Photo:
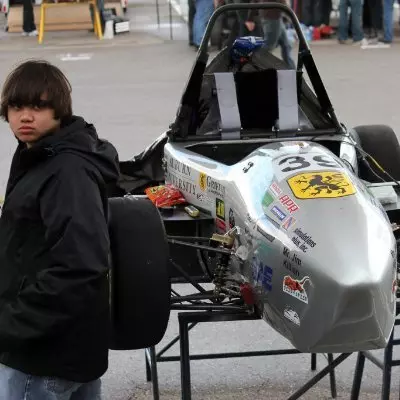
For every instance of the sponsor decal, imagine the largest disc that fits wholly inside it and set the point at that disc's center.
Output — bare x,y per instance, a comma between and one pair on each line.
220,209
273,222
295,288
289,204
291,315
290,221
203,198
211,185
262,274
179,167
302,240
291,262
321,185
275,189
221,226
249,165
267,200
183,185
203,181
267,236
278,212
232,222
215,187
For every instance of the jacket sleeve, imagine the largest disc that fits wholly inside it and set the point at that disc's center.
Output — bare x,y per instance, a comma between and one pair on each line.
67,288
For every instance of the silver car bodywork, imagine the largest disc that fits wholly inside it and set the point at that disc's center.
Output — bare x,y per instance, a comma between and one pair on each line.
315,245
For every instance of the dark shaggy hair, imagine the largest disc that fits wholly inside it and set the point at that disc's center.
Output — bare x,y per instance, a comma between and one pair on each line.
30,81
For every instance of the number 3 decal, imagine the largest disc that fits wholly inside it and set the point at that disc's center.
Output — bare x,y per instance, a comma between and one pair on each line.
297,162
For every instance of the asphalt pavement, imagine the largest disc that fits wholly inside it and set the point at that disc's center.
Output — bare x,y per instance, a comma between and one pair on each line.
130,88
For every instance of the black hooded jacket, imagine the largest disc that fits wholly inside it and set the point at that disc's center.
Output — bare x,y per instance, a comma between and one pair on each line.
54,255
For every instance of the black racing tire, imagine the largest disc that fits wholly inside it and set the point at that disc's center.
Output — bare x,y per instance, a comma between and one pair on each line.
381,142
140,282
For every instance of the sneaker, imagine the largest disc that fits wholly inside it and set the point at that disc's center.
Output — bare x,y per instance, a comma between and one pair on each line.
33,33
363,43
341,41
373,40
25,33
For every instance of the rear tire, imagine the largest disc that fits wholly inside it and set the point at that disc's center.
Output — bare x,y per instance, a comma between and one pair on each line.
140,280
381,142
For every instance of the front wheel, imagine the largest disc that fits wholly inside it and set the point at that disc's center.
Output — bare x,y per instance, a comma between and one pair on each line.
381,142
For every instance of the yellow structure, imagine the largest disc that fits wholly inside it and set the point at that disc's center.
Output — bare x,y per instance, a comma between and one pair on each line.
46,5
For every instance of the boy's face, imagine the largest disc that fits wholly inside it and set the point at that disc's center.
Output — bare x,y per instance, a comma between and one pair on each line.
29,124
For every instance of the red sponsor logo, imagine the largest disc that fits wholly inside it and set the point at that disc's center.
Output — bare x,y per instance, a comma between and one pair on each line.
295,288
275,189
289,204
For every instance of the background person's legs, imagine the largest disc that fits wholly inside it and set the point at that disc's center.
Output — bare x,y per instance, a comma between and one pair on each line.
192,12
204,10
28,24
343,30
306,12
272,31
326,12
356,20
286,48
388,21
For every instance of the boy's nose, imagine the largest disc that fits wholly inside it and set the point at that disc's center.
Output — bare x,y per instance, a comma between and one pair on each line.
26,115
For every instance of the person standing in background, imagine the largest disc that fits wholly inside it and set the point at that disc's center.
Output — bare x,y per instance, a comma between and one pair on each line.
28,18
274,29
387,21
204,10
357,32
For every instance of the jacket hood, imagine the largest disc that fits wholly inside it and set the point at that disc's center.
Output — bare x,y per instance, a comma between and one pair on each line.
78,137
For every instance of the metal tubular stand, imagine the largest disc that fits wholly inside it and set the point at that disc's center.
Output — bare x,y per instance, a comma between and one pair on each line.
385,366
188,320
151,371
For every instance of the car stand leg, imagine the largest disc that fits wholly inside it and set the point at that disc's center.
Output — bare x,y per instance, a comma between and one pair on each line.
387,368
332,377
148,369
185,360
313,361
151,370
355,390
319,376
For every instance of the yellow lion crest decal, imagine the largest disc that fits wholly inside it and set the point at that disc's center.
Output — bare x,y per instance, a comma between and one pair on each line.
316,185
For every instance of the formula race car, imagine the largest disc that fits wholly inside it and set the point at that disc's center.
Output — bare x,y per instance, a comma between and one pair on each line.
293,215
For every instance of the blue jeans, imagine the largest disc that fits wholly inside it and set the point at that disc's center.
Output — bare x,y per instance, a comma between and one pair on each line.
388,20
204,10
15,385
275,35
356,19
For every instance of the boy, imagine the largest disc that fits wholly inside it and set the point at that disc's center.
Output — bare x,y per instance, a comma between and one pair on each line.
54,243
